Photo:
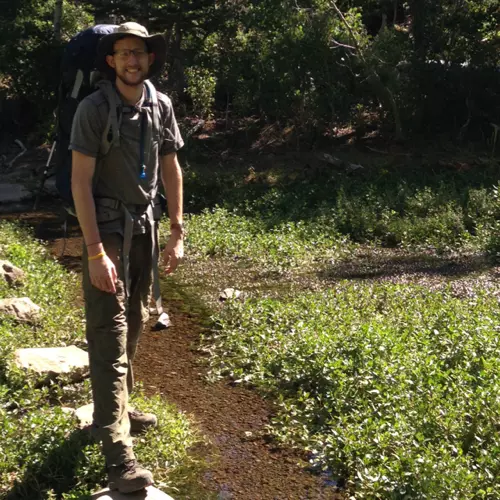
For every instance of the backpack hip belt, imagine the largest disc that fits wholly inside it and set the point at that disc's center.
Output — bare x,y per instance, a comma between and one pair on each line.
128,234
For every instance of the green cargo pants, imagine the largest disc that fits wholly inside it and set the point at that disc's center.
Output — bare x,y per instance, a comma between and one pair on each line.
114,325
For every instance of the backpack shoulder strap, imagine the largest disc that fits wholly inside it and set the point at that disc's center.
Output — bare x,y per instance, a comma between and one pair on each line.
111,133
75,91
152,96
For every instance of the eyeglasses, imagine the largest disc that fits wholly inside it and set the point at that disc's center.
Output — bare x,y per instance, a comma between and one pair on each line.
126,53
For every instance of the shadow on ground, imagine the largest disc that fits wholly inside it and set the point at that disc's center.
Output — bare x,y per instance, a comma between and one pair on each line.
59,470
392,264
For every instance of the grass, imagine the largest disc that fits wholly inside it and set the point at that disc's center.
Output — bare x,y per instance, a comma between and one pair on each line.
43,454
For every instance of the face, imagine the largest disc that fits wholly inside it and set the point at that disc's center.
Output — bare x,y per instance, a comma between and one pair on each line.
131,60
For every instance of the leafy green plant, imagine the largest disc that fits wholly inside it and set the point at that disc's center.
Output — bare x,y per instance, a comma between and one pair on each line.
286,245
201,89
391,388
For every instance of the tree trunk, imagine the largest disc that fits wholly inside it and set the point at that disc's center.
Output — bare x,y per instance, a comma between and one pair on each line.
176,70
418,13
58,12
383,92
144,13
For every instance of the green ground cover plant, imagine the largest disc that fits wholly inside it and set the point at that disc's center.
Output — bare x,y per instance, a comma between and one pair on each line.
284,246
418,205
393,389
43,455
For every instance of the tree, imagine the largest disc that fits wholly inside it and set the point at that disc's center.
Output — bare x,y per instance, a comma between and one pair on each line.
58,14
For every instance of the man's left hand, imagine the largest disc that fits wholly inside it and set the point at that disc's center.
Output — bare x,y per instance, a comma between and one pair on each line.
173,253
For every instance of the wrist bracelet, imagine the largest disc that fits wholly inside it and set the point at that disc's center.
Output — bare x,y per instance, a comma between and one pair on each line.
92,244
97,256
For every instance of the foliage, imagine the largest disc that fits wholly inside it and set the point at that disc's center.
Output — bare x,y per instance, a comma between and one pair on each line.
433,63
392,388
285,246
201,89
48,286
30,55
429,204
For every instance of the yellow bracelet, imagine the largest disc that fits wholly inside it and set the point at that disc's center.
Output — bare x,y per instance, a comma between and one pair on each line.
97,256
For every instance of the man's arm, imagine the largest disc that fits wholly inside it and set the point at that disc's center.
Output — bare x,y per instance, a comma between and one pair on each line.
171,175
101,270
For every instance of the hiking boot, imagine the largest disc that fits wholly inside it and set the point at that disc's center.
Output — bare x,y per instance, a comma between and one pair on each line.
141,422
129,477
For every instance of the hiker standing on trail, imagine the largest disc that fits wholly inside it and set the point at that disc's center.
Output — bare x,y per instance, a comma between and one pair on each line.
114,188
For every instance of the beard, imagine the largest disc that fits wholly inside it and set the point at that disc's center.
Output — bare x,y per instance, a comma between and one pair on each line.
135,83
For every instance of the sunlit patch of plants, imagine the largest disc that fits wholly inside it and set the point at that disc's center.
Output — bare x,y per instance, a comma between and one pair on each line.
394,207
287,245
395,390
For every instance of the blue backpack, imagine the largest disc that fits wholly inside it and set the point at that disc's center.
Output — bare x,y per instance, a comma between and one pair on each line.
79,77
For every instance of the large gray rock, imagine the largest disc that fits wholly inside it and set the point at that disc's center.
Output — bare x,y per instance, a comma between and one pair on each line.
10,273
48,362
150,493
13,193
22,309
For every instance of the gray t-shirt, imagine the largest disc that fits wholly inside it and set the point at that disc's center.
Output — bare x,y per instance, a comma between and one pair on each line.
119,171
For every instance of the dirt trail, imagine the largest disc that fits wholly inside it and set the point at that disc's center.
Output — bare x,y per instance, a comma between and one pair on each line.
242,464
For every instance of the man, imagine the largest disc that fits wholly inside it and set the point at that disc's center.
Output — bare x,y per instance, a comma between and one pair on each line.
114,194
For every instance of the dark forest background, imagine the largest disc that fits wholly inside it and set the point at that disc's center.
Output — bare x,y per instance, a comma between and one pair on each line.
402,68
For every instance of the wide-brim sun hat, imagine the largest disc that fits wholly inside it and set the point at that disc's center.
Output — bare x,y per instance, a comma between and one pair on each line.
156,44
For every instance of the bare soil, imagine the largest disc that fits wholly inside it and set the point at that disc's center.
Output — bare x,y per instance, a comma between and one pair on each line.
243,463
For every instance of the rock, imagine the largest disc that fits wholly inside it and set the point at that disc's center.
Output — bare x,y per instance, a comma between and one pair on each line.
12,274
84,414
162,323
13,193
352,167
150,493
54,361
229,293
22,309
332,160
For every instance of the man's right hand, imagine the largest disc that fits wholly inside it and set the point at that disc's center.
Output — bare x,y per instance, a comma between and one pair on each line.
103,275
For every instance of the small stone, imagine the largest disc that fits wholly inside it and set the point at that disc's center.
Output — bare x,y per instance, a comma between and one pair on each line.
50,187
162,323
85,415
22,309
150,493
54,361
332,160
352,167
229,293
12,274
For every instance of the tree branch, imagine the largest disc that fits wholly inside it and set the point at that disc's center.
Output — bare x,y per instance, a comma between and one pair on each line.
345,46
